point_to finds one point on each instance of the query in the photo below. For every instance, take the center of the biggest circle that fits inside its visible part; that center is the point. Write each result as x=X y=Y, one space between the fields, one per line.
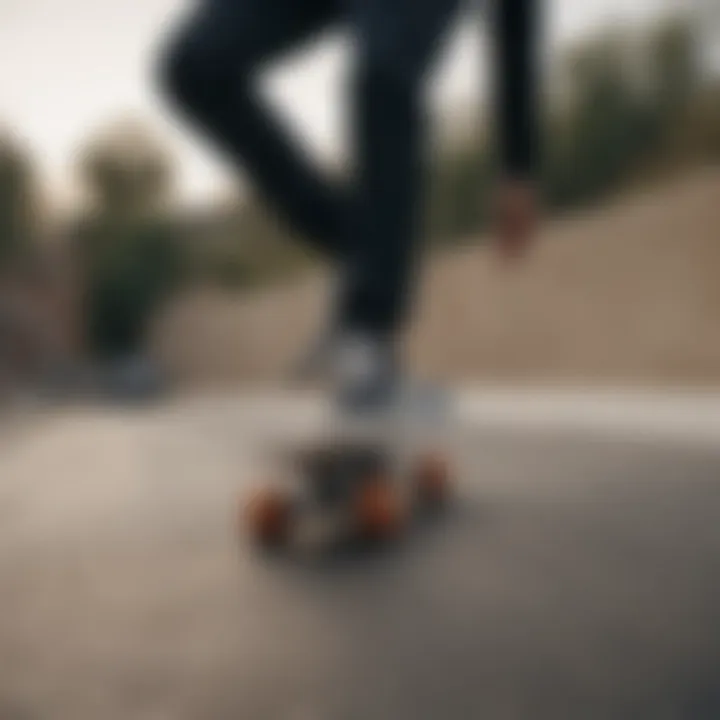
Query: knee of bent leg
x=189 y=70
x=176 y=69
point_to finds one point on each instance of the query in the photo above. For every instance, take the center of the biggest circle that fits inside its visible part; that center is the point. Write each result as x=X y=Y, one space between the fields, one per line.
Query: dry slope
x=629 y=293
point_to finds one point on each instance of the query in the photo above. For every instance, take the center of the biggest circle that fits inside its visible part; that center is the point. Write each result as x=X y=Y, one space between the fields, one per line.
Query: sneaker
x=364 y=373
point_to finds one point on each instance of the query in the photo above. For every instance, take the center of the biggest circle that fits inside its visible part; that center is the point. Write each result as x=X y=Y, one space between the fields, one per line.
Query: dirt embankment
x=629 y=293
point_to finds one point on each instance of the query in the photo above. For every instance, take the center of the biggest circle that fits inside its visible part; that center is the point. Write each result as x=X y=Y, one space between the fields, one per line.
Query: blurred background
x=125 y=240
x=576 y=576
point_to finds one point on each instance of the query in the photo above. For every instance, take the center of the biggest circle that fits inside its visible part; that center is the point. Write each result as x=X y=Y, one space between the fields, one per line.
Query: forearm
x=516 y=63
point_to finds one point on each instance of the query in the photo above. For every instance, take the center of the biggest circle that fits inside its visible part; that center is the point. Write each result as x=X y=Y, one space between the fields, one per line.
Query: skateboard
x=362 y=483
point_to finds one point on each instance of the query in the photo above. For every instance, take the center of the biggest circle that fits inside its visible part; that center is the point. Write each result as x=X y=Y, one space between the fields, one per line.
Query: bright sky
x=68 y=67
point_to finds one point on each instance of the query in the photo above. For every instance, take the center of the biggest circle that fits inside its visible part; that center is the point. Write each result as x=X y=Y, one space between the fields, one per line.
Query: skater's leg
x=397 y=40
x=209 y=71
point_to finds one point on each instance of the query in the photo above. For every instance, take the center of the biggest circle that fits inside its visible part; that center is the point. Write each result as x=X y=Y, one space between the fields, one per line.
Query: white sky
x=67 y=67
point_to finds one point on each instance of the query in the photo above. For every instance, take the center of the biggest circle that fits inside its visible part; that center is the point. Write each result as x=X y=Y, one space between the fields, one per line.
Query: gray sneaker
x=365 y=373
x=368 y=382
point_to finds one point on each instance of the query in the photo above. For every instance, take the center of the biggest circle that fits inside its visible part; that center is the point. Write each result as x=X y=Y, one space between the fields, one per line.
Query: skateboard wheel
x=378 y=511
x=269 y=516
x=432 y=479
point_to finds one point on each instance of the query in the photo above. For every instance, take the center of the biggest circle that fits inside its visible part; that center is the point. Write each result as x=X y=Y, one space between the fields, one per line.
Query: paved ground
x=578 y=576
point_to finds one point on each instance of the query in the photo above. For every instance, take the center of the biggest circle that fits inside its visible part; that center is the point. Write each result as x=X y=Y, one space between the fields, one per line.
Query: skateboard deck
x=349 y=479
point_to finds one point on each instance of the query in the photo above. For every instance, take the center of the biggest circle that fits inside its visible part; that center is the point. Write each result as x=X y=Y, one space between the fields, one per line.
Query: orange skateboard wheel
x=269 y=516
x=378 y=510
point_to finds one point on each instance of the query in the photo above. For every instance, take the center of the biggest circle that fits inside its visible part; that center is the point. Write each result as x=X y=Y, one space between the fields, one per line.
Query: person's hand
x=516 y=218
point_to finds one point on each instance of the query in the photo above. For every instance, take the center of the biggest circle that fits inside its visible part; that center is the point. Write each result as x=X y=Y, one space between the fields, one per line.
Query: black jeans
x=371 y=226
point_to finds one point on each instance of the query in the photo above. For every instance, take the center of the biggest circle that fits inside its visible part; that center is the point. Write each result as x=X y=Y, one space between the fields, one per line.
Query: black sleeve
x=516 y=68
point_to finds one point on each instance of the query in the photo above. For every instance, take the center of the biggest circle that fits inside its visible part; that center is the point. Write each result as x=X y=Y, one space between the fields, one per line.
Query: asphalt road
x=577 y=575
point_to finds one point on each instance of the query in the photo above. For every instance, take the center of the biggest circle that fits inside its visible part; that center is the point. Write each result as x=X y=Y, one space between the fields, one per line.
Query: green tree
x=602 y=134
x=19 y=207
x=683 y=114
x=674 y=68
x=126 y=244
